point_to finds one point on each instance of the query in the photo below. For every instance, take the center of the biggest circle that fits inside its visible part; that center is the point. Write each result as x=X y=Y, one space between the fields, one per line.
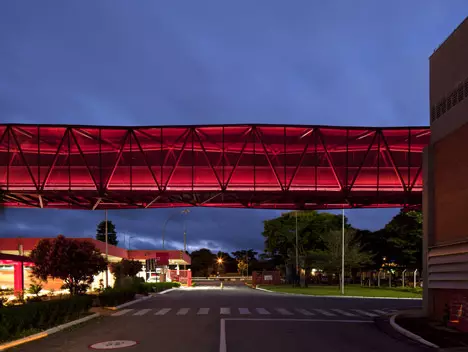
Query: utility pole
x=107 y=252
x=185 y=242
x=297 y=248
x=342 y=251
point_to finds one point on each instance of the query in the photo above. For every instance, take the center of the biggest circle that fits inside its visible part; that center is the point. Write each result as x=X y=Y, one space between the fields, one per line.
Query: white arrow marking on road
x=162 y=311
x=379 y=311
x=122 y=312
x=283 y=311
x=225 y=311
x=324 y=312
x=365 y=313
x=348 y=314
x=203 y=311
x=262 y=311
x=142 y=312
x=305 y=312
x=244 y=311
x=183 y=311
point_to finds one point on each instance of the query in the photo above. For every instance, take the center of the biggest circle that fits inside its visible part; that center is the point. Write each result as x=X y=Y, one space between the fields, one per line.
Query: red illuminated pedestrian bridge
x=254 y=166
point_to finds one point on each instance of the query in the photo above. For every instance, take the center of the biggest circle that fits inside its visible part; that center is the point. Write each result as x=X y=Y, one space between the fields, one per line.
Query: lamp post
x=107 y=251
x=171 y=216
x=342 y=251
x=297 y=248
x=129 y=239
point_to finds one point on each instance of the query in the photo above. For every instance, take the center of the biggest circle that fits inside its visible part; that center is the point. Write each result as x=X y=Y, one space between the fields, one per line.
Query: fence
x=266 y=278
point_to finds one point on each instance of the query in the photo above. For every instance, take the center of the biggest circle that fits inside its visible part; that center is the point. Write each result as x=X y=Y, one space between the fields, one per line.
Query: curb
x=167 y=291
x=138 y=300
x=46 y=333
x=409 y=334
x=330 y=296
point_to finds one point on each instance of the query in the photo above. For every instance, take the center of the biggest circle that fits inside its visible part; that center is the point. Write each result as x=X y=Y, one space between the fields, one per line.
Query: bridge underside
x=261 y=166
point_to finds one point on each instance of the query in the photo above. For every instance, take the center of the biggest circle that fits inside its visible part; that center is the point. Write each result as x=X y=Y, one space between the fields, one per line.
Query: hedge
x=112 y=297
x=18 y=321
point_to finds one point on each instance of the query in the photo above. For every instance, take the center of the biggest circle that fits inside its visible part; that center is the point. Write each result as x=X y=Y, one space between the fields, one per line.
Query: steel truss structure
x=253 y=166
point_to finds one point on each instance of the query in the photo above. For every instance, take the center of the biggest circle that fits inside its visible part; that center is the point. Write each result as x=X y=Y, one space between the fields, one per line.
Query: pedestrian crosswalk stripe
x=332 y=312
x=324 y=312
x=262 y=311
x=163 y=311
x=348 y=314
x=142 y=312
x=183 y=311
x=121 y=312
x=305 y=312
x=365 y=313
x=283 y=311
x=244 y=311
x=203 y=311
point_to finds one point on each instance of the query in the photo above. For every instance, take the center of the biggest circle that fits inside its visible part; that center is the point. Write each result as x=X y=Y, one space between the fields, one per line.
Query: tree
x=111 y=234
x=404 y=235
x=125 y=269
x=229 y=264
x=330 y=258
x=242 y=267
x=203 y=262
x=73 y=261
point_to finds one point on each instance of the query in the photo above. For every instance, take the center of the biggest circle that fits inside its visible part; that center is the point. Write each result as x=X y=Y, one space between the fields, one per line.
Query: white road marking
x=222 y=337
x=311 y=320
x=142 y=312
x=203 y=311
x=262 y=311
x=121 y=312
x=283 y=311
x=305 y=312
x=162 y=311
x=365 y=313
x=244 y=311
x=225 y=311
x=324 y=312
x=342 y=312
x=379 y=311
x=183 y=311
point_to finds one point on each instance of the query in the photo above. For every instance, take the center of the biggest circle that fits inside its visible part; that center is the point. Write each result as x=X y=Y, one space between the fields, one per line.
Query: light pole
x=129 y=239
x=172 y=215
x=342 y=251
x=297 y=248
x=107 y=251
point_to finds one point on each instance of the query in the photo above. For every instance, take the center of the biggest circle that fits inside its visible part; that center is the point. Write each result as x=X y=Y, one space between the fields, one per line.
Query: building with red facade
x=14 y=265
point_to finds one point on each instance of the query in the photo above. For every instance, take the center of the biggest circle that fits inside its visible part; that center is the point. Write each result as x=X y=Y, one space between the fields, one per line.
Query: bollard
x=403 y=277
x=221 y=285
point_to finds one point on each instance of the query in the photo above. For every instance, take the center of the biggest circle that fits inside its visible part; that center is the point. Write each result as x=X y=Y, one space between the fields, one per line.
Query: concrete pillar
x=18 y=276
x=428 y=224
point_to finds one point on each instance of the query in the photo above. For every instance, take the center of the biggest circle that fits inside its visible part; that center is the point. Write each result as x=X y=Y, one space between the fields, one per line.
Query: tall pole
x=107 y=251
x=342 y=251
x=185 y=242
x=297 y=248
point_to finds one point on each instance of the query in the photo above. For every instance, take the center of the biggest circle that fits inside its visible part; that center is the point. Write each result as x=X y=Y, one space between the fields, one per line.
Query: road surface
x=237 y=319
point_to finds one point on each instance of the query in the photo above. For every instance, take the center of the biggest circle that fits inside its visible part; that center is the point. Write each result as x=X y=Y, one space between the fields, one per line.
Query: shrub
x=112 y=297
x=161 y=286
x=15 y=321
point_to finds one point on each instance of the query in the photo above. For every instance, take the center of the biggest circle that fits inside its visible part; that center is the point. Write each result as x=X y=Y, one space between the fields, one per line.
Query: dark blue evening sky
x=201 y=62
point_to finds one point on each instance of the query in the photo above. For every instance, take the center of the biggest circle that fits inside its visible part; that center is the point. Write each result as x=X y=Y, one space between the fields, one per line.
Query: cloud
x=208 y=62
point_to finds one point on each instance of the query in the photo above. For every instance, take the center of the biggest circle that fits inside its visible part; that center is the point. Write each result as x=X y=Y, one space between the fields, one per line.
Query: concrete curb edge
x=325 y=296
x=167 y=291
x=409 y=334
x=47 y=332
x=138 y=300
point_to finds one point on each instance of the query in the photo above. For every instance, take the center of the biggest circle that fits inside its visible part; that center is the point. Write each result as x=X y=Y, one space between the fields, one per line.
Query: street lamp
x=170 y=217
x=129 y=239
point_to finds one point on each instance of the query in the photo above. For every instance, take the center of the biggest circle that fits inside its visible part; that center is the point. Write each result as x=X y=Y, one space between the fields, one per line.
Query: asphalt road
x=234 y=319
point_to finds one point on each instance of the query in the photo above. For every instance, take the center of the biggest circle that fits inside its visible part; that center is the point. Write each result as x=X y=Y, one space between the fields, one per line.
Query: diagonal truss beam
x=117 y=161
x=301 y=158
x=147 y=163
x=195 y=131
x=179 y=157
x=84 y=159
x=12 y=132
x=247 y=135
x=270 y=163
x=329 y=160
x=392 y=162
x=54 y=161
x=366 y=155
